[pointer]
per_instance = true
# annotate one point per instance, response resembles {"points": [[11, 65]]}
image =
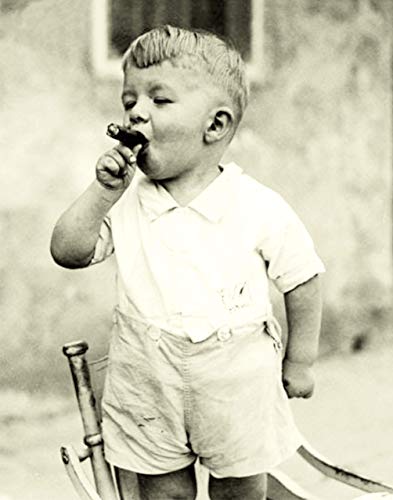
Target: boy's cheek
{"points": [[176, 128]]}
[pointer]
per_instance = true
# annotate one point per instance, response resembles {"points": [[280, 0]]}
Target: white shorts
{"points": [[168, 401]]}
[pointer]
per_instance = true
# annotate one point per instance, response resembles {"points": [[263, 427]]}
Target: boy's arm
{"points": [[303, 307], [77, 231]]}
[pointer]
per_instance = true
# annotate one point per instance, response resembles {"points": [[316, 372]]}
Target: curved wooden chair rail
{"points": [[280, 486]]}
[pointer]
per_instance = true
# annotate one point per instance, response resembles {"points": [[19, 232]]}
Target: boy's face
{"points": [[171, 107]]}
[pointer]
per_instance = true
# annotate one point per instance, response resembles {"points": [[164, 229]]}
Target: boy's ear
{"points": [[219, 126]]}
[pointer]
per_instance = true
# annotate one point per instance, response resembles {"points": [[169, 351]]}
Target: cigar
{"points": [[126, 137]]}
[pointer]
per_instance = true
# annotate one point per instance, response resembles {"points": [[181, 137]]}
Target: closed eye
{"points": [[162, 100]]}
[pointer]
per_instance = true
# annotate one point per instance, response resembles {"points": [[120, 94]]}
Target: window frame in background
{"points": [[106, 67]]}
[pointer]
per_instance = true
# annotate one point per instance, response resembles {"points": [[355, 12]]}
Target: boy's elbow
{"points": [[70, 263], [66, 258]]}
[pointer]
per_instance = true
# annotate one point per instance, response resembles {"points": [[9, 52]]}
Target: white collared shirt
{"points": [[196, 269]]}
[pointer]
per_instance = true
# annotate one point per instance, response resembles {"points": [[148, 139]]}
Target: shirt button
{"points": [[224, 333]]}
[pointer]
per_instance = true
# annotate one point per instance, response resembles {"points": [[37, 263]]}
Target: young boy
{"points": [[195, 365]]}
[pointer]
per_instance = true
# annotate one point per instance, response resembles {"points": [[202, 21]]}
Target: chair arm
{"points": [[340, 474], [77, 475]]}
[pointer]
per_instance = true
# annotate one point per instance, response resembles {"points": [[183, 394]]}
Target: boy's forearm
{"points": [[76, 233], [303, 307]]}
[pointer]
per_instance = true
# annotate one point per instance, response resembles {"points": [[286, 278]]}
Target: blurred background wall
{"points": [[318, 130]]}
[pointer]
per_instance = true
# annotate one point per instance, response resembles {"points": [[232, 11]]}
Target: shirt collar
{"points": [[211, 203]]}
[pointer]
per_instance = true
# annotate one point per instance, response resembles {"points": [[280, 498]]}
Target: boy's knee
{"points": [[238, 488]]}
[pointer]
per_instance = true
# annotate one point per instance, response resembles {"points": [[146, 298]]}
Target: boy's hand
{"points": [[298, 379], [115, 168]]}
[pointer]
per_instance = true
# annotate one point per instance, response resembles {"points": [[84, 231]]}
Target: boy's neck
{"points": [[187, 187]]}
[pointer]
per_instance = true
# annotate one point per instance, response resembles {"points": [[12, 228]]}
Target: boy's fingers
{"points": [[298, 388], [128, 154], [119, 160], [113, 153], [113, 164], [137, 148], [308, 394], [124, 151], [122, 157]]}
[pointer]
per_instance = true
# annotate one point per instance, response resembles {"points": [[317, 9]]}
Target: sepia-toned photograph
{"points": [[196, 272]]}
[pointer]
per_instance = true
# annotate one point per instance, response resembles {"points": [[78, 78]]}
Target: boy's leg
{"points": [[178, 485], [238, 488]]}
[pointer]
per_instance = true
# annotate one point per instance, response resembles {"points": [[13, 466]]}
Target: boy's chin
{"points": [[149, 169]]}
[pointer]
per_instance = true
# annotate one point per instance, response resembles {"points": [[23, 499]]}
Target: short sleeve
{"points": [[104, 247], [287, 248]]}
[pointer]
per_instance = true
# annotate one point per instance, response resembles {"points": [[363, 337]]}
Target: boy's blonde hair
{"points": [[194, 49]]}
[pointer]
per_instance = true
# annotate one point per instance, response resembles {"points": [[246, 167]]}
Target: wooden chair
{"points": [[105, 485]]}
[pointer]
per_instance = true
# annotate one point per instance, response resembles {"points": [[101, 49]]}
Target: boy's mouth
{"points": [[129, 138]]}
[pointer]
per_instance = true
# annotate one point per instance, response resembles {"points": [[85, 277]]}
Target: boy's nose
{"points": [[139, 113]]}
